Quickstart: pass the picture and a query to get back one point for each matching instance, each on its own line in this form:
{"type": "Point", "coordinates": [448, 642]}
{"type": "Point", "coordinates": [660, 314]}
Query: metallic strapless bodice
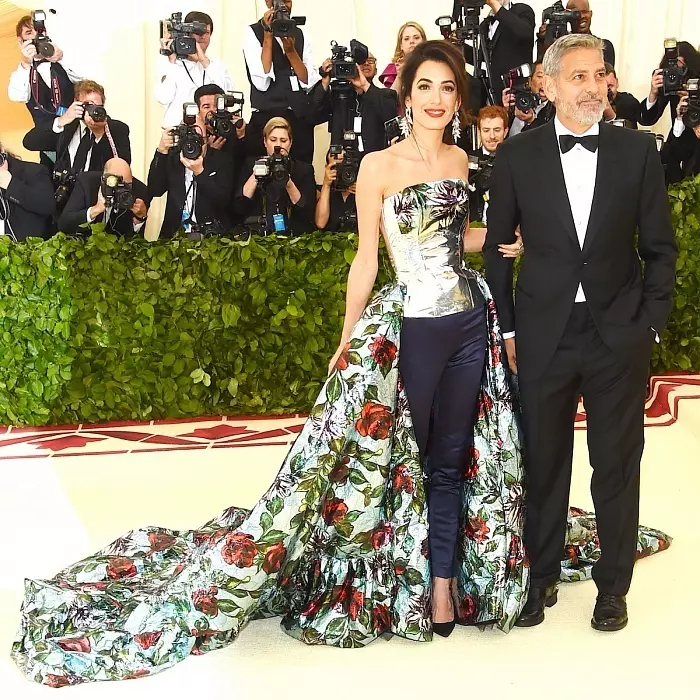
{"type": "Point", "coordinates": [424, 227]}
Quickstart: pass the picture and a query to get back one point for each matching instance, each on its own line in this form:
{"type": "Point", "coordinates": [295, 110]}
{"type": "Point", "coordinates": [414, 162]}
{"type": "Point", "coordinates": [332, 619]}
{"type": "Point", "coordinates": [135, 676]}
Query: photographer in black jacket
{"type": "Point", "coordinates": [336, 209]}
{"type": "Point", "coordinates": [26, 198]}
{"type": "Point", "coordinates": [621, 105]}
{"type": "Point", "coordinates": [283, 201]}
{"type": "Point", "coordinates": [95, 200]}
{"type": "Point", "coordinates": [681, 152]}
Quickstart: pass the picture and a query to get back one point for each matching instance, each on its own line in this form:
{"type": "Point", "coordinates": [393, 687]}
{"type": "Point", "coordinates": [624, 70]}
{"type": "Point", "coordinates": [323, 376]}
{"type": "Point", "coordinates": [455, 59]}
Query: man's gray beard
{"type": "Point", "coordinates": [581, 115]}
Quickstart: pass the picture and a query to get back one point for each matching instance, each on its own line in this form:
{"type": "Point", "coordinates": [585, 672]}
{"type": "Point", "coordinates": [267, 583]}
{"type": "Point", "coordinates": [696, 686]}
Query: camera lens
{"type": "Point", "coordinates": [45, 49]}
{"type": "Point", "coordinates": [224, 128]}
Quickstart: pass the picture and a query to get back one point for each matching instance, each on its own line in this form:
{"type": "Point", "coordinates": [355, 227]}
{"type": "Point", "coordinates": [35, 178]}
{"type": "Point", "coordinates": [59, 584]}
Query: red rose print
{"type": "Point", "coordinates": [147, 639]}
{"type": "Point", "coordinates": [383, 351]}
{"type": "Point", "coordinates": [160, 541]}
{"type": "Point", "coordinates": [576, 511]}
{"type": "Point", "coordinates": [205, 601]}
{"type": "Point", "coordinates": [201, 537]}
{"type": "Point", "coordinates": [344, 360]}
{"type": "Point", "coordinates": [476, 529]}
{"type": "Point", "coordinates": [663, 544]}
{"type": "Point", "coordinates": [375, 421]}
{"type": "Point", "coordinates": [381, 618]}
{"type": "Point", "coordinates": [485, 405]}
{"type": "Point", "coordinates": [572, 554]}
{"type": "Point", "coordinates": [467, 609]}
{"type": "Point", "coordinates": [178, 569]}
{"type": "Point", "coordinates": [357, 601]}
{"type": "Point", "coordinates": [381, 535]}
{"type": "Point", "coordinates": [120, 567]}
{"type": "Point", "coordinates": [339, 473]}
{"type": "Point", "coordinates": [645, 552]}
{"type": "Point", "coordinates": [137, 674]}
{"type": "Point", "coordinates": [339, 595]}
{"type": "Point", "coordinates": [312, 608]}
{"type": "Point", "coordinates": [239, 550]}
{"type": "Point", "coordinates": [334, 510]}
{"type": "Point", "coordinates": [399, 567]}
{"type": "Point", "coordinates": [513, 552]}
{"type": "Point", "coordinates": [56, 681]}
{"type": "Point", "coordinates": [274, 557]}
{"type": "Point", "coordinates": [81, 645]}
{"type": "Point", "coordinates": [472, 464]}
{"type": "Point", "coordinates": [424, 548]}
{"type": "Point", "coordinates": [496, 354]}
{"type": "Point", "coordinates": [403, 481]}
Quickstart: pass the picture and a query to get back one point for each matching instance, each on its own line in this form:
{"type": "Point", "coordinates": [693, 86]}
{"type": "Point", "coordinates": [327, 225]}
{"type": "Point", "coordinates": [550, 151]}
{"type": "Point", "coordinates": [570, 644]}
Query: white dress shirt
{"type": "Point", "coordinates": [518, 124]}
{"type": "Point", "coordinates": [252, 52]}
{"type": "Point", "coordinates": [75, 141]}
{"type": "Point", "coordinates": [178, 81]}
{"type": "Point", "coordinates": [494, 25]}
{"type": "Point", "coordinates": [678, 125]}
{"type": "Point", "coordinates": [19, 89]}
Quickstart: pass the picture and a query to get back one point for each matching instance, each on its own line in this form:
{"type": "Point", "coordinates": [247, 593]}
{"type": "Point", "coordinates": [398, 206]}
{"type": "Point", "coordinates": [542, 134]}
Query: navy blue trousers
{"type": "Point", "coordinates": [441, 364]}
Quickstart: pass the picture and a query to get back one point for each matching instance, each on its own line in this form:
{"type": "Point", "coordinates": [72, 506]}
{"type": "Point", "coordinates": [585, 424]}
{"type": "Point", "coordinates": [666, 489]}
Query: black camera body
{"type": "Point", "coordinates": [282, 24]}
{"type": "Point", "coordinates": [674, 73]}
{"type": "Point", "coordinates": [220, 122]}
{"type": "Point", "coordinates": [63, 182]}
{"type": "Point", "coordinates": [465, 16]}
{"type": "Point", "coordinates": [345, 61]}
{"type": "Point", "coordinates": [183, 44]}
{"type": "Point", "coordinates": [188, 140]}
{"type": "Point", "coordinates": [518, 81]}
{"type": "Point", "coordinates": [558, 21]}
{"type": "Point", "coordinates": [348, 222]}
{"type": "Point", "coordinates": [274, 168]}
{"type": "Point", "coordinates": [118, 195]}
{"type": "Point", "coordinates": [691, 118]}
{"type": "Point", "coordinates": [42, 43]}
{"type": "Point", "coordinates": [97, 112]}
{"type": "Point", "coordinates": [480, 171]}
{"type": "Point", "coordinates": [347, 170]}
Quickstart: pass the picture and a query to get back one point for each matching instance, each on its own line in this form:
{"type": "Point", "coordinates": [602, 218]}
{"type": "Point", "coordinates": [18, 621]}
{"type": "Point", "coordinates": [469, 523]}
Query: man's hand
{"type": "Point", "coordinates": [240, 130]}
{"type": "Point", "coordinates": [139, 209]}
{"type": "Point", "coordinates": [28, 51]}
{"type": "Point", "coordinates": [331, 172]}
{"type": "Point", "coordinates": [196, 166]}
{"type": "Point", "coordinates": [267, 18]}
{"type": "Point", "coordinates": [167, 141]}
{"type": "Point", "coordinates": [217, 142]}
{"type": "Point", "coordinates": [657, 82]}
{"type": "Point", "coordinates": [325, 70]}
{"type": "Point", "coordinates": [201, 57]}
{"type": "Point", "coordinates": [495, 5]}
{"type": "Point", "coordinates": [513, 250]}
{"type": "Point", "coordinates": [99, 208]}
{"type": "Point", "coordinates": [360, 82]}
{"type": "Point", "coordinates": [289, 44]}
{"type": "Point", "coordinates": [696, 131]}
{"type": "Point", "coordinates": [5, 175]}
{"type": "Point", "coordinates": [526, 117]}
{"type": "Point", "coordinates": [512, 356]}
{"type": "Point", "coordinates": [682, 105]}
{"type": "Point", "coordinates": [57, 55]}
{"type": "Point", "coordinates": [609, 113]}
{"type": "Point", "coordinates": [75, 111]}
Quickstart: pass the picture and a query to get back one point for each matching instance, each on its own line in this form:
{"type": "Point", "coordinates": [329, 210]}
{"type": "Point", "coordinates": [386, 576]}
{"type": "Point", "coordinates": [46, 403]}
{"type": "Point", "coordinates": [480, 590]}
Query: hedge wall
{"type": "Point", "coordinates": [112, 329]}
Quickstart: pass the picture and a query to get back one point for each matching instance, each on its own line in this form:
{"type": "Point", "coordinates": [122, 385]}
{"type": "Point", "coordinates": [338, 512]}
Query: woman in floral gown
{"type": "Point", "coordinates": [340, 544]}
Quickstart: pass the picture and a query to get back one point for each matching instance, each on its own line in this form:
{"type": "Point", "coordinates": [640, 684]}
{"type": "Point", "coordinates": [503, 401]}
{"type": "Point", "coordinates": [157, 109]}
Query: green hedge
{"type": "Point", "coordinates": [112, 329]}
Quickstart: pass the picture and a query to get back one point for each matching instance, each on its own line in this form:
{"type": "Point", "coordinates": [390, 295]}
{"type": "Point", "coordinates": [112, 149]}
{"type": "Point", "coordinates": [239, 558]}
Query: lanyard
{"type": "Point", "coordinates": [55, 90]}
{"type": "Point", "coordinates": [204, 76]}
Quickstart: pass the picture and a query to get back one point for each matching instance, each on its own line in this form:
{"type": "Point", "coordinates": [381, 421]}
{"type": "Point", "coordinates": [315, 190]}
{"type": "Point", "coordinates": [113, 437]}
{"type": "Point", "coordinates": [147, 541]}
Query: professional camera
{"type": "Point", "coordinates": [188, 140]}
{"type": "Point", "coordinates": [41, 42]}
{"type": "Point", "coordinates": [208, 229]}
{"type": "Point", "coordinates": [276, 167]}
{"type": "Point", "coordinates": [692, 116]}
{"type": "Point", "coordinates": [480, 171]}
{"type": "Point", "coordinates": [348, 222]}
{"type": "Point", "coordinates": [518, 81]}
{"type": "Point", "coordinates": [220, 122]}
{"type": "Point", "coordinates": [348, 169]}
{"type": "Point", "coordinates": [674, 73]}
{"type": "Point", "coordinates": [465, 16]}
{"type": "Point", "coordinates": [117, 193]}
{"type": "Point", "coordinates": [558, 20]}
{"type": "Point", "coordinates": [63, 182]}
{"type": "Point", "coordinates": [97, 112]}
{"type": "Point", "coordinates": [282, 23]}
{"type": "Point", "coordinates": [182, 44]}
{"type": "Point", "coordinates": [345, 61]}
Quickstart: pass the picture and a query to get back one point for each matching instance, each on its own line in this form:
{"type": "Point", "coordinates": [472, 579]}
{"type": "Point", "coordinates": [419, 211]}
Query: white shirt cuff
{"type": "Point", "coordinates": [678, 127]}
{"type": "Point", "coordinates": [57, 128]}
{"type": "Point", "coordinates": [508, 336]}
{"type": "Point", "coordinates": [89, 220]}
{"type": "Point", "coordinates": [650, 104]}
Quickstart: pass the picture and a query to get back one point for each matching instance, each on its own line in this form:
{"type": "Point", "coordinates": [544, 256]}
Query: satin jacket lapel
{"type": "Point", "coordinates": [553, 178]}
{"type": "Point", "coordinates": [604, 193]}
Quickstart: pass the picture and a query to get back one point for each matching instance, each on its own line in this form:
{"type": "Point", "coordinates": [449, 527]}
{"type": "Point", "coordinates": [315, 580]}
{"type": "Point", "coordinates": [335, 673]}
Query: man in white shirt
{"type": "Point", "coordinates": [595, 286]}
{"type": "Point", "coordinates": [541, 114]}
{"type": "Point", "coordinates": [180, 77]}
{"type": "Point", "coordinates": [281, 71]}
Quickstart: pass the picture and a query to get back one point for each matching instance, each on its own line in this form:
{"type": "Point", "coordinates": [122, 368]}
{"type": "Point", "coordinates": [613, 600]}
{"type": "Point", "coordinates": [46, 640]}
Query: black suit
{"type": "Point", "coordinates": [73, 219]}
{"type": "Point", "coordinates": [599, 349]}
{"type": "Point", "coordinates": [28, 200]}
{"type": "Point", "coordinates": [627, 107]}
{"type": "Point", "coordinates": [213, 194]}
{"type": "Point", "coordinates": [512, 44]}
{"type": "Point", "coordinates": [648, 116]}
{"type": "Point", "coordinates": [681, 156]}
{"type": "Point", "coordinates": [46, 139]}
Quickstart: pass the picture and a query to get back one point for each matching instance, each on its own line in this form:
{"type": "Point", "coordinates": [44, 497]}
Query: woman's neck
{"type": "Point", "coordinates": [428, 143]}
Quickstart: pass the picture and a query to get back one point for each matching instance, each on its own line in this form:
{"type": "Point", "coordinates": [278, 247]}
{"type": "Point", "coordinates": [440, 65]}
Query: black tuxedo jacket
{"type": "Point", "coordinates": [44, 138]}
{"type": "Point", "coordinates": [512, 44]}
{"type": "Point", "coordinates": [528, 188]}
{"type": "Point", "coordinates": [73, 219]}
{"type": "Point", "coordinates": [214, 189]}
{"type": "Point", "coordinates": [681, 156]}
{"type": "Point", "coordinates": [648, 116]}
{"type": "Point", "coordinates": [29, 198]}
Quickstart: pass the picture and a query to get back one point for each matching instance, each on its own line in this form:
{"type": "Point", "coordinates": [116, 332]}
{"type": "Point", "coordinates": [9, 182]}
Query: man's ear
{"type": "Point", "coordinates": [550, 88]}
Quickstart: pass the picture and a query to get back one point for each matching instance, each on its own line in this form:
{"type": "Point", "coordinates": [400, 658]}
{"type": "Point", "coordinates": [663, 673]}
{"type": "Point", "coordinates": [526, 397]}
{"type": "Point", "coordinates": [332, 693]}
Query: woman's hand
{"type": "Point", "coordinates": [513, 250]}
{"type": "Point", "coordinates": [334, 360]}
{"type": "Point", "coordinates": [331, 172]}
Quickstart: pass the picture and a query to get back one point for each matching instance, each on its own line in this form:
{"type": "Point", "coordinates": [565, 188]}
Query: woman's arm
{"type": "Point", "coordinates": [323, 207]}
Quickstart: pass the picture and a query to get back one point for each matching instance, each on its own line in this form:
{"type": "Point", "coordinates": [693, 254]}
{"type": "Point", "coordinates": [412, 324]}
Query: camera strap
{"type": "Point", "coordinates": [112, 145]}
{"type": "Point", "coordinates": [189, 75]}
{"type": "Point", "coordinates": [55, 90]}
{"type": "Point", "coordinates": [188, 206]}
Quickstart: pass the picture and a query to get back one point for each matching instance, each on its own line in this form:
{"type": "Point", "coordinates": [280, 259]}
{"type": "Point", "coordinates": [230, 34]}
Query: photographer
{"type": "Point", "coordinates": [280, 69]}
{"type": "Point", "coordinates": [336, 209]}
{"type": "Point", "coordinates": [283, 201]}
{"type": "Point", "coordinates": [543, 112]}
{"type": "Point", "coordinates": [84, 138]}
{"type": "Point", "coordinates": [120, 202]}
{"type": "Point", "coordinates": [44, 84]}
{"type": "Point", "coordinates": [180, 77]}
{"type": "Point", "coordinates": [621, 105]}
{"type": "Point", "coordinates": [26, 198]}
{"type": "Point", "coordinates": [199, 188]}
{"type": "Point", "coordinates": [510, 36]}
{"type": "Point", "coordinates": [368, 107]}
{"type": "Point", "coordinates": [688, 66]}
{"type": "Point", "coordinates": [233, 146]}
{"type": "Point", "coordinates": [681, 152]}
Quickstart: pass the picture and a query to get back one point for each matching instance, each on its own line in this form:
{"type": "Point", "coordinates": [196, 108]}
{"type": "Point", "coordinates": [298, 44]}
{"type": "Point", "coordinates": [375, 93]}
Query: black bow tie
{"type": "Point", "coordinates": [567, 142]}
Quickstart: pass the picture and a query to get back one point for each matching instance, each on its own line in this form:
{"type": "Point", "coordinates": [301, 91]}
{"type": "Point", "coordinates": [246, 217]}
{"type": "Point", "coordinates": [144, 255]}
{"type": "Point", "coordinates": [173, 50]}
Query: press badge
{"type": "Point", "coordinates": [60, 111]}
{"type": "Point", "coordinates": [294, 81]}
{"type": "Point", "coordinates": [357, 128]}
{"type": "Point", "coordinates": [278, 222]}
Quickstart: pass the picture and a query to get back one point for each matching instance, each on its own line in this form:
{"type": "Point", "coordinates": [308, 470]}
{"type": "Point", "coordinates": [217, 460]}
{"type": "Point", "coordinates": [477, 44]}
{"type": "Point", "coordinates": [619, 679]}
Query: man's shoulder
{"type": "Point", "coordinates": [525, 140]}
{"type": "Point", "coordinates": [629, 139]}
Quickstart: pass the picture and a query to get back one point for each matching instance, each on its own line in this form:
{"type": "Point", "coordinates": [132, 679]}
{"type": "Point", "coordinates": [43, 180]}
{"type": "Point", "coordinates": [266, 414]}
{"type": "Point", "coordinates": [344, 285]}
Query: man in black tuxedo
{"type": "Point", "coordinates": [82, 143]}
{"type": "Point", "coordinates": [621, 105]}
{"type": "Point", "coordinates": [509, 33]}
{"type": "Point", "coordinates": [199, 191]}
{"type": "Point", "coordinates": [26, 198]}
{"type": "Point", "coordinates": [87, 205]}
{"type": "Point", "coordinates": [586, 315]}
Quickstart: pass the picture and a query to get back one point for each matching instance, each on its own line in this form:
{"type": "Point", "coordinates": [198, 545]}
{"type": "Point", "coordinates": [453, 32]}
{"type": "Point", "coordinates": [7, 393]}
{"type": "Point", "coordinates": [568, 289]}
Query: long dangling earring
{"type": "Point", "coordinates": [406, 124]}
{"type": "Point", "coordinates": [456, 127]}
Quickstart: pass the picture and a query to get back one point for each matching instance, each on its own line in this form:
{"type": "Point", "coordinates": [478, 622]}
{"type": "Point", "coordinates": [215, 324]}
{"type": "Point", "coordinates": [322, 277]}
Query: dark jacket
{"type": "Point", "coordinates": [29, 199]}
{"type": "Point", "coordinates": [627, 107]}
{"type": "Point", "coordinates": [300, 217]}
{"type": "Point", "coordinates": [648, 116]}
{"type": "Point", "coordinates": [46, 139]}
{"type": "Point", "coordinates": [73, 219]}
{"type": "Point", "coordinates": [681, 156]}
{"type": "Point", "coordinates": [214, 189]}
{"type": "Point", "coordinates": [630, 224]}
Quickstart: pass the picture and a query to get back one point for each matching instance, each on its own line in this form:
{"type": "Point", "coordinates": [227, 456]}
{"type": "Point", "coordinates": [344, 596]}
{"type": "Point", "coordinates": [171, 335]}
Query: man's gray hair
{"type": "Point", "coordinates": [551, 64]}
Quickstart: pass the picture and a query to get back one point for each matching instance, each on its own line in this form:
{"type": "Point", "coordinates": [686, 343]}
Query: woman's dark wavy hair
{"type": "Point", "coordinates": [441, 52]}
{"type": "Point", "coordinates": [691, 56]}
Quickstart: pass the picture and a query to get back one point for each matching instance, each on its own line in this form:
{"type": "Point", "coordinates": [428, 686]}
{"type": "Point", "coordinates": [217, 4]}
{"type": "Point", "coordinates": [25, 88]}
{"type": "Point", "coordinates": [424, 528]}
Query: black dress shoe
{"type": "Point", "coordinates": [444, 629]}
{"type": "Point", "coordinates": [537, 599]}
{"type": "Point", "coordinates": [610, 613]}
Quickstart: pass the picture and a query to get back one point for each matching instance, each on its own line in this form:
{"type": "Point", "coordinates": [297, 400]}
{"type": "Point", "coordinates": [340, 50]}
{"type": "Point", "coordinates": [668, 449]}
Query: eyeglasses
{"type": "Point", "coordinates": [371, 61]}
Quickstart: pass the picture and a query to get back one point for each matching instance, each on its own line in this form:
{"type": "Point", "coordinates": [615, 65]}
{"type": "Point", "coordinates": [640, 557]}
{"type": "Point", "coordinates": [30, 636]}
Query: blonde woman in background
{"type": "Point", "coordinates": [410, 35]}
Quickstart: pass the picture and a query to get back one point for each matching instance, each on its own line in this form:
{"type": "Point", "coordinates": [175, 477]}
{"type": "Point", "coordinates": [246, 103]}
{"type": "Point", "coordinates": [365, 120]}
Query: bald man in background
{"type": "Point", "coordinates": [86, 204]}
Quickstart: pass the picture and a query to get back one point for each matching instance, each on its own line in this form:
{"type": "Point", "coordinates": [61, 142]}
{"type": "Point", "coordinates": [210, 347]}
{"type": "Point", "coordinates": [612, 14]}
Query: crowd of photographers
{"type": "Point", "coordinates": [223, 175]}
